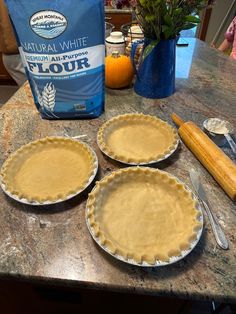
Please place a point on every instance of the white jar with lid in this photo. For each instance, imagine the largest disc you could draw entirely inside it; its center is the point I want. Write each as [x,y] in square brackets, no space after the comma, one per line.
[115,42]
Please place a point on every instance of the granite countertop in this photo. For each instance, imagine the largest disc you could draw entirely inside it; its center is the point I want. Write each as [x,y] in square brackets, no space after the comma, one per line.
[53,244]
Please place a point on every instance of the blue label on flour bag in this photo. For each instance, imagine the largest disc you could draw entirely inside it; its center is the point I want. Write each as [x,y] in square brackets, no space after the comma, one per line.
[62,47]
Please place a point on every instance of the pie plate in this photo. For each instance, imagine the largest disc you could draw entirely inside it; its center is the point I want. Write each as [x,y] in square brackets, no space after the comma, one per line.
[81,150]
[98,233]
[123,138]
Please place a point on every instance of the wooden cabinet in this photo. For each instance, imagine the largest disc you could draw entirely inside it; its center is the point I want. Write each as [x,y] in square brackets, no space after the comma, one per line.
[118,19]
[5,78]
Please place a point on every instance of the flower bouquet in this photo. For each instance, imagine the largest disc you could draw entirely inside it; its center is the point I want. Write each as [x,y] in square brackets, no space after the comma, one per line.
[161,22]
[164,19]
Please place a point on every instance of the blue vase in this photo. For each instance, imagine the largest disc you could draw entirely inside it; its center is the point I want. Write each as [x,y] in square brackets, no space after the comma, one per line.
[156,73]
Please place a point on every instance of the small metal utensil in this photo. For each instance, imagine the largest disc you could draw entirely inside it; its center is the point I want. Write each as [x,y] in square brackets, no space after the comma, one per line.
[77,137]
[219,131]
[231,142]
[218,232]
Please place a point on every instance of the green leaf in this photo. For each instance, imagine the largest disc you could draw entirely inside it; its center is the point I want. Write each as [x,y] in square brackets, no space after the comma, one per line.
[192,19]
[157,3]
[167,31]
[177,11]
[189,25]
[168,20]
[149,48]
[144,3]
[150,18]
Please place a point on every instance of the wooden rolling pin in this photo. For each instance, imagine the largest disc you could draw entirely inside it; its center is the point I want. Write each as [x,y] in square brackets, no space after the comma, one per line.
[220,166]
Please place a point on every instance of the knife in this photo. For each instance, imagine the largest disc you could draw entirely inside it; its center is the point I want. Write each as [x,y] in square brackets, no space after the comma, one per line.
[218,232]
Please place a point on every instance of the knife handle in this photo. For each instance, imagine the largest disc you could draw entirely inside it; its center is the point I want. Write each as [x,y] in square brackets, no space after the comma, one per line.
[218,232]
[231,142]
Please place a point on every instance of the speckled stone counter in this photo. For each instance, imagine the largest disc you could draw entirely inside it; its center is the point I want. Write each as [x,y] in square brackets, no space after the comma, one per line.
[53,244]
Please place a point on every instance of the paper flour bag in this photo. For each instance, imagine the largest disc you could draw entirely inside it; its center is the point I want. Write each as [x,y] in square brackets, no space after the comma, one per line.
[62,47]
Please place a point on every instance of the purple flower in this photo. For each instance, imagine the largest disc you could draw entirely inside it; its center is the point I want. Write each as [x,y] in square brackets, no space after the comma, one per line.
[125,3]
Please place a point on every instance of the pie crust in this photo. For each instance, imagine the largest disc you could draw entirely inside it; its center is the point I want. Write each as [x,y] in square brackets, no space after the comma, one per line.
[137,138]
[49,169]
[143,214]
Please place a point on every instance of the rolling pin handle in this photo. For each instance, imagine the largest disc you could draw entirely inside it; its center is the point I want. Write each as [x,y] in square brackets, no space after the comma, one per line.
[177,120]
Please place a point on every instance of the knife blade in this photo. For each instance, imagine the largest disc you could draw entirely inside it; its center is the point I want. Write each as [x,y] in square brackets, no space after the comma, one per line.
[199,189]
[195,178]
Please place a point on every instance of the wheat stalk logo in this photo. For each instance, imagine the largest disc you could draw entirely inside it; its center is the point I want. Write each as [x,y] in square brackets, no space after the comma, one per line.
[47,99]
[48,96]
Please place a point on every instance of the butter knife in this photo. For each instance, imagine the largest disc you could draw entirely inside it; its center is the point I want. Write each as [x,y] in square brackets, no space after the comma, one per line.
[218,232]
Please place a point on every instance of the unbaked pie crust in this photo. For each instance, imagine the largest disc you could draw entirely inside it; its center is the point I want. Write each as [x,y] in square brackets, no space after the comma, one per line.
[143,214]
[137,138]
[48,169]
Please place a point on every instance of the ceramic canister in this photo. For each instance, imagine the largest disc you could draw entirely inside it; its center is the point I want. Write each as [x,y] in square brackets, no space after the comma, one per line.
[115,42]
[135,32]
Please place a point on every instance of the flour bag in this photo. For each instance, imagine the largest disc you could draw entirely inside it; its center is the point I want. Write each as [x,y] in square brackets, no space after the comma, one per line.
[61,43]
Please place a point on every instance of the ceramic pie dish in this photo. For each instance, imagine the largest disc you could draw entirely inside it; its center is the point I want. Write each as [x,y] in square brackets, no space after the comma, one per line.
[48,171]
[144,217]
[137,139]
